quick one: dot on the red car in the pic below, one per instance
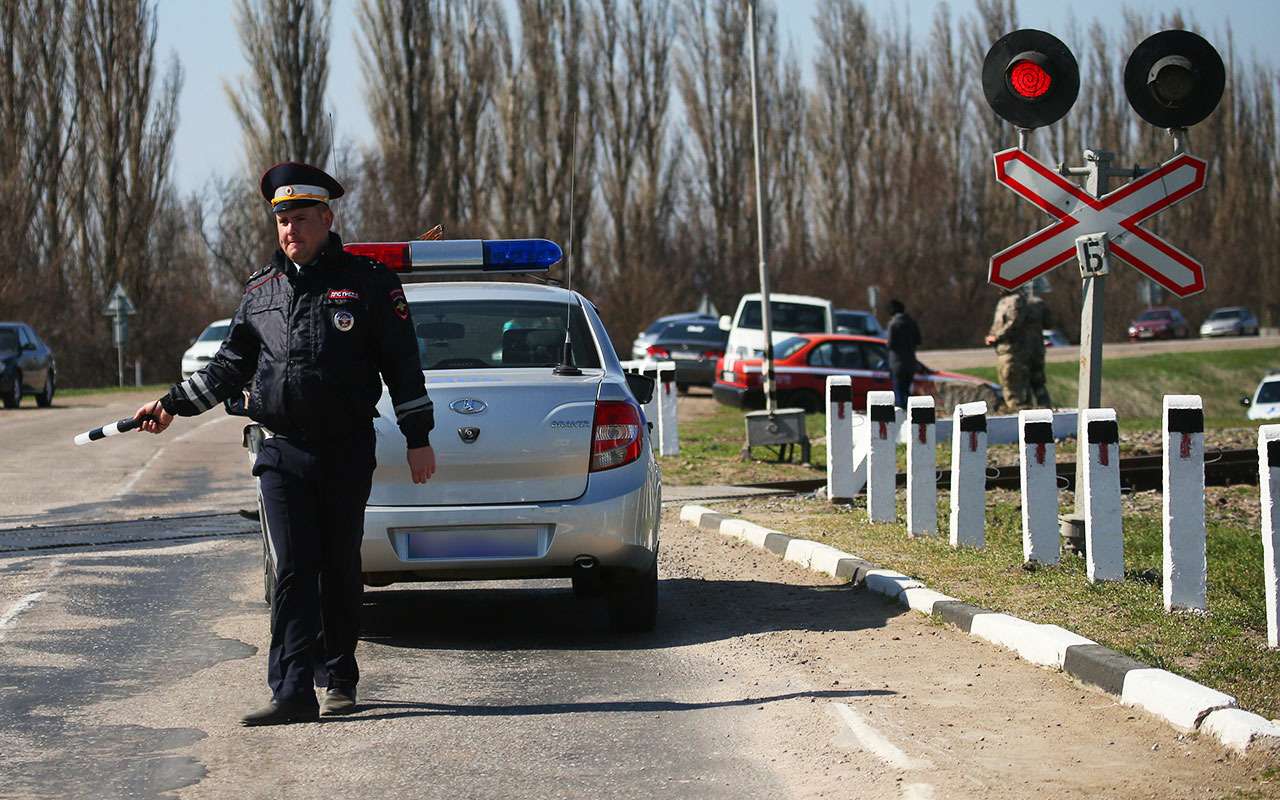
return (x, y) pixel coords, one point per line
(1159, 323)
(802, 364)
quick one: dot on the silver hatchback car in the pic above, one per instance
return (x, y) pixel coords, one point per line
(540, 474)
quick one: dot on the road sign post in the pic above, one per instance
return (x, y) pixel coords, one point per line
(119, 307)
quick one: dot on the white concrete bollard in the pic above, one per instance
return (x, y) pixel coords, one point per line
(1185, 565)
(1269, 479)
(668, 421)
(1039, 478)
(1103, 528)
(840, 414)
(922, 467)
(969, 475)
(882, 457)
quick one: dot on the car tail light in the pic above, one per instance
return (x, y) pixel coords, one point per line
(615, 435)
(655, 351)
(712, 353)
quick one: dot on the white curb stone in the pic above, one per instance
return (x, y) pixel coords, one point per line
(921, 599)
(693, 514)
(969, 475)
(1180, 702)
(1269, 478)
(882, 455)
(1042, 645)
(1038, 473)
(889, 582)
(840, 416)
(1185, 565)
(922, 467)
(1241, 730)
(1103, 529)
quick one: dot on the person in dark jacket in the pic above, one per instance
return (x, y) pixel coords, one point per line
(904, 338)
(316, 333)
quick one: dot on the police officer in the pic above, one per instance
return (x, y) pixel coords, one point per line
(904, 338)
(315, 330)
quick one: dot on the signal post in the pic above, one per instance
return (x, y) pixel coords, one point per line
(1173, 79)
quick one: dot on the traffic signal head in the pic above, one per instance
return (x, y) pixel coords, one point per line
(1174, 79)
(1030, 78)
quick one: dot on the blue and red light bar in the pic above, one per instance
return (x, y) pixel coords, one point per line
(463, 256)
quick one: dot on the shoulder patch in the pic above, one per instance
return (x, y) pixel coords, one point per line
(257, 275)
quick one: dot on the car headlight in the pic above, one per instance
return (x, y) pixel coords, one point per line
(1132, 330)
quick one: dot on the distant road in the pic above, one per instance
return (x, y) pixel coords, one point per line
(985, 356)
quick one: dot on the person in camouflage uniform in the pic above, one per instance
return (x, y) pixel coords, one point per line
(1038, 320)
(1010, 334)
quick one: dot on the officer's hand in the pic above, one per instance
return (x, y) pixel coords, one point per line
(990, 340)
(160, 418)
(422, 463)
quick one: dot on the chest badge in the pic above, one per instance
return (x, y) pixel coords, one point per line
(344, 321)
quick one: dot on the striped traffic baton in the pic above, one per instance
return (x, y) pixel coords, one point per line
(119, 426)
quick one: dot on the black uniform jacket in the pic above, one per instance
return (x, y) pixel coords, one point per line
(312, 343)
(904, 338)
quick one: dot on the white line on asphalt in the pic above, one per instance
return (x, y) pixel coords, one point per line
(17, 608)
(873, 741)
(917, 791)
(136, 476)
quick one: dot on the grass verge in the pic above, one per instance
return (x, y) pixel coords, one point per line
(1225, 648)
(156, 388)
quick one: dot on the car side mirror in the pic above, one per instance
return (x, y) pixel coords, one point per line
(1245, 402)
(726, 324)
(641, 386)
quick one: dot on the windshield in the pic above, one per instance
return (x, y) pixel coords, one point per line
(1227, 313)
(790, 317)
(482, 334)
(8, 340)
(1151, 316)
(1269, 392)
(214, 333)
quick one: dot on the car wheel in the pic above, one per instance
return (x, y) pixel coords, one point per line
(13, 398)
(633, 600)
(45, 398)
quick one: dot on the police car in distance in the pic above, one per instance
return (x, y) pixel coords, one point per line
(544, 469)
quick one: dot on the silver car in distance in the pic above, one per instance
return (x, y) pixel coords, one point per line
(540, 475)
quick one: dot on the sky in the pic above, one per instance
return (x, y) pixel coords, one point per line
(201, 34)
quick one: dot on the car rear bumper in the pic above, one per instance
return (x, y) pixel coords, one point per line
(615, 522)
(737, 396)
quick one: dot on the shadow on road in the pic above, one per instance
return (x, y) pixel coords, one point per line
(394, 709)
(458, 617)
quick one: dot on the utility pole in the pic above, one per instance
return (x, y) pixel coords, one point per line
(766, 313)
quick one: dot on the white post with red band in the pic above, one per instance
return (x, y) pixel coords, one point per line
(1185, 564)
(882, 457)
(668, 423)
(840, 415)
(969, 475)
(1103, 528)
(922, 467)
(1039, 477)
(1269, 480)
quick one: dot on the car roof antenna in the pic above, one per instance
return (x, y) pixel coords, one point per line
(566, 367)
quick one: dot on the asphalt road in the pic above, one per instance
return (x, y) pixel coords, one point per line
(129, 649)
(985, 356)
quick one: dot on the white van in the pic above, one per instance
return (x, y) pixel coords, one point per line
(791, 314)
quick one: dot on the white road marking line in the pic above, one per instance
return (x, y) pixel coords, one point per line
(17, 608)
(137, 475)
(917, 791)
(873, 741)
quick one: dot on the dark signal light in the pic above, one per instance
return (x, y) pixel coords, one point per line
(1174, 79)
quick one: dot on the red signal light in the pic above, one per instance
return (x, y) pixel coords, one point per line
(1029, 79)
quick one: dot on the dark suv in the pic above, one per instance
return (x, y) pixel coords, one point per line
(26, 366)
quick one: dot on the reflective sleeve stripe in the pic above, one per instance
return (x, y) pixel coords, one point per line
(407, 414)
(410, 405)
(197, 393)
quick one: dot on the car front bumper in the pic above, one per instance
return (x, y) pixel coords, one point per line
(1235, 330)
(615, 522)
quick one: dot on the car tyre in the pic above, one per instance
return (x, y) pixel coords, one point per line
(13, 398)
(633, 600)
(45, 398)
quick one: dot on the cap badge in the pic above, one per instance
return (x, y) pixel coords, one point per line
(344, 321)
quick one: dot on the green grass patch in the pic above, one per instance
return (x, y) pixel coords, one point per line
(1225, 648)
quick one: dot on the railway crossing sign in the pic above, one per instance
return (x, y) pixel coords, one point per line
(1112, 221)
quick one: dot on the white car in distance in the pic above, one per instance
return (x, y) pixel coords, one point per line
(544, 470)
(204, 346)
(1265, 403)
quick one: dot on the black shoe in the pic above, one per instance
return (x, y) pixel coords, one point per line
(338, 700)
(281, 713)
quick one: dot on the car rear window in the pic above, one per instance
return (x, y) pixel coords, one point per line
(214, 333)
(702, 332)
(485, 334)
(1269, 392)
(793, 317)
(1227, 313)
(1149, 316)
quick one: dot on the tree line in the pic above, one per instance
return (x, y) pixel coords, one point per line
(878, 167)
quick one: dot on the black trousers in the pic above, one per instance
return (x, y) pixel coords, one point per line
(313, 500)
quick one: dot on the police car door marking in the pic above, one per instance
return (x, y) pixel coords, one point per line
(344, 321)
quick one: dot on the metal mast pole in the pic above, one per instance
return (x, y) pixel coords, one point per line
(766, 315)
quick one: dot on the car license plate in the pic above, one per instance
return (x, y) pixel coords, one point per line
(1145, 334)
(474, 542)
(685, 356)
